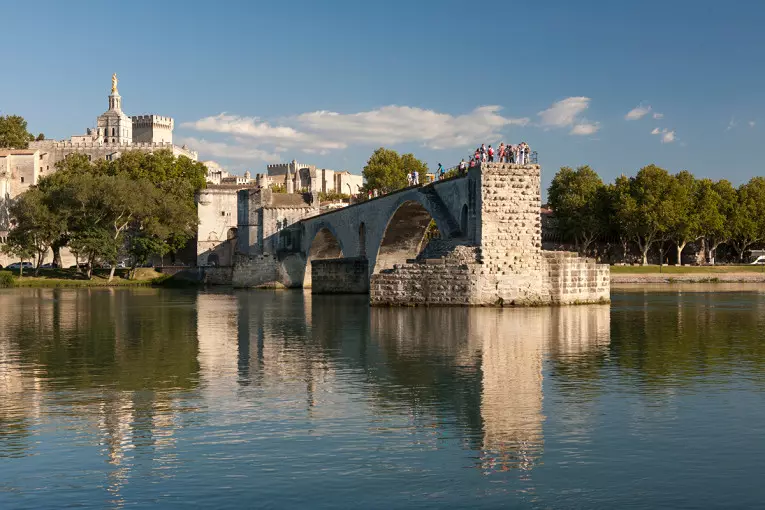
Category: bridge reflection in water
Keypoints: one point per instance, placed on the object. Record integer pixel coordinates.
(507, 349)
(481, 367)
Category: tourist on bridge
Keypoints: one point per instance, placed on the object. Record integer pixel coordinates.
(415, 178)
(463, 166)
(501, 152)
(490, 151)
(441, 171)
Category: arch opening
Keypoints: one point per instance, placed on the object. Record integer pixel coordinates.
(406, 236)
(324, 246)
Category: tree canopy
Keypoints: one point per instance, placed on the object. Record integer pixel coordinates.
(386, 170)
(654, 208)
(575, 196)
(13, 132)
(136, 206)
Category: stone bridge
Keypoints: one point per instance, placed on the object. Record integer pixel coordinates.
(487, 250)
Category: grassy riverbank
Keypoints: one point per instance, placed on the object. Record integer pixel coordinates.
(653, 269)
(71, 278)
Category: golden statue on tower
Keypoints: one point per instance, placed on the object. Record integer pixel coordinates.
(114, 83)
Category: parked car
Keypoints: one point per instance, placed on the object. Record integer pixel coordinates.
(18, 265)
(759, 261)
(49, 265)
(83, 266)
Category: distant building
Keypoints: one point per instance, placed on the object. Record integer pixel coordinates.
(299, 177)
(115, 133)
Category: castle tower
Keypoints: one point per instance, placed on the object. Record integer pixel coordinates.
(113, 126)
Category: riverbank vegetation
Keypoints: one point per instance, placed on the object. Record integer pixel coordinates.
(655, 209)
(107, 212)
(99, 278)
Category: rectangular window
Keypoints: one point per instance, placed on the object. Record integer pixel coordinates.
(223, 213)
(22, 180)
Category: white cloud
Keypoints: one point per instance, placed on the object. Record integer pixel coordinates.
(667, 136)
(752, 123)
(585, 129)
(732, 124)
(638, 112)
(224, 150)
(399, 124)
(658, 115)
(564, 112)
(323, 131)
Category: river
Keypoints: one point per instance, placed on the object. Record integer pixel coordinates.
(112, 398)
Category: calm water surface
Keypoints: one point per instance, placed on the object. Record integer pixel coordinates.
(177, 399)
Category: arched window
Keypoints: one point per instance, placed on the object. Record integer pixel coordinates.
(112, 131)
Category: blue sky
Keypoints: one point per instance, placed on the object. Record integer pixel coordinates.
(250, 83)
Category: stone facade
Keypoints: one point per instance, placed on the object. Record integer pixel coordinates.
(217, 229)
(340, 276)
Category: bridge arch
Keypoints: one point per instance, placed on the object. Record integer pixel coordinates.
(403, 237)
(324, 244)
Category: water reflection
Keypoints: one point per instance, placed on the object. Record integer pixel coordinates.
(125, 391)
(486, 366)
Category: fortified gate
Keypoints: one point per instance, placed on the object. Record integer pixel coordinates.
(487, 252)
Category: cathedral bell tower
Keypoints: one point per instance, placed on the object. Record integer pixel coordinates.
(114, 127)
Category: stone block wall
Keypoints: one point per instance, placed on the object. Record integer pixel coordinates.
(257, 271)
(340, 276)
(508, 267)
(510, 235)
(572, 279)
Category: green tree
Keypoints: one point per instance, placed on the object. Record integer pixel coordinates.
(647, 211)
(34, 224)
(686, 224)
(577, 198)
(386, 170)
(13, 132)
(748, 216)
(617, 223)
(18, 244)
(714, 201)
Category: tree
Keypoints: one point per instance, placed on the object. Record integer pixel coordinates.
(19, 245)
(386, 171)
(748, 216)
(617, 224)
(714, 201)
(686, 224)
(40, 137)
(576, 197)
(648, 211)
(13, 132)
(35, 226)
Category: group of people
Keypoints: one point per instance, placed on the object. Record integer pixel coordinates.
(504, 153)
(413, 177)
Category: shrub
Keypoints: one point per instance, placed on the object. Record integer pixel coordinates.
(7, 280)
